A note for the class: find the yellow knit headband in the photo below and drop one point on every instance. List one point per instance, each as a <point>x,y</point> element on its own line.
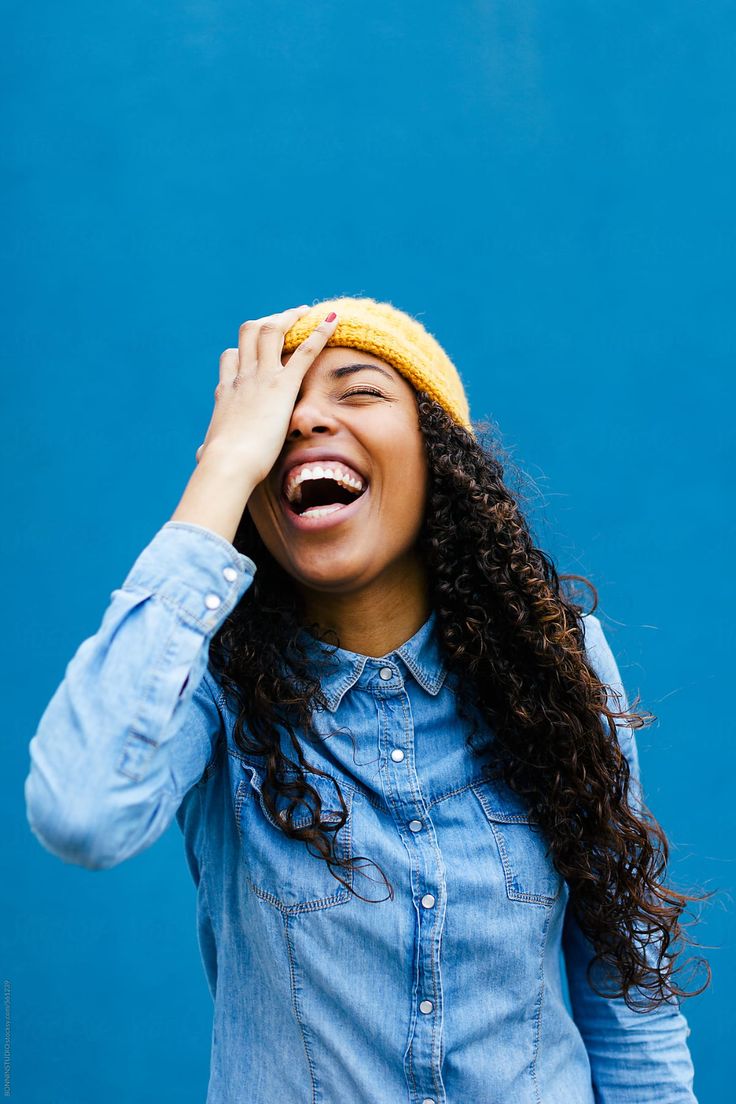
<point>397,338</point>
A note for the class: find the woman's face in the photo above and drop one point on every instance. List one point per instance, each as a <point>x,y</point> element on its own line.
<point>366,418</point>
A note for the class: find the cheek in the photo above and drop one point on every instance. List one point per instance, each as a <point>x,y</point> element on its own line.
<point>405,493</point>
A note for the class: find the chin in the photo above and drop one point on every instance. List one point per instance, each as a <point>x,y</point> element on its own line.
<point>329,574</point>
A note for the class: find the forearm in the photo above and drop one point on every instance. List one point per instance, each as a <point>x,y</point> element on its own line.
<point>108,763</point>
<point>635,1057</point>
<point>217,493</point>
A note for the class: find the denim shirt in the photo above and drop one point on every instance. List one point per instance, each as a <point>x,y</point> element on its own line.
<point>452,991</point>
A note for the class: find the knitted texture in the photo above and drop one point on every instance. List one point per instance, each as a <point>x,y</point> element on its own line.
<point>396,337</point>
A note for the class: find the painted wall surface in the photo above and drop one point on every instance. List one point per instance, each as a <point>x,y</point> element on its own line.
<point>549,187</point>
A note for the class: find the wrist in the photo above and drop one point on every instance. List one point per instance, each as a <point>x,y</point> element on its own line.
<point>219,460</point>
<point>216,495</point>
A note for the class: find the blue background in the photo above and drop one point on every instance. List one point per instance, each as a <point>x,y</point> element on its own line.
<point>549,188</point>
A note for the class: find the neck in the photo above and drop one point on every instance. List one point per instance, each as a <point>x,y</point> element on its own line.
<point>376,618</point>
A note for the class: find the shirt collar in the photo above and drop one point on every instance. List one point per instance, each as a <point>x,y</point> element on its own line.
<point>421,655</point>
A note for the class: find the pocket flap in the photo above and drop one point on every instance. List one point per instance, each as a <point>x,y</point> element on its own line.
<point>501,804</point>
<point>325,787</point>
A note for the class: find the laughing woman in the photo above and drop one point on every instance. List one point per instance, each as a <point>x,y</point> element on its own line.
<point>400,753</point>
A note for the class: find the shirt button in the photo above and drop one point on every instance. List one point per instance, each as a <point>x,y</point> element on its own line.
<point>230,574</point>
<point>397,755</point>
<point>428,900</point>
<point>428,1100</point>
<point>415,825</point>
<point>386,673</point>
<point>426,1006</point>
<point>212,601</point>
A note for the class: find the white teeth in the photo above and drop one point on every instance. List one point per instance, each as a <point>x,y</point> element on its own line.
<point>340,475</point>
<point>318,511</point>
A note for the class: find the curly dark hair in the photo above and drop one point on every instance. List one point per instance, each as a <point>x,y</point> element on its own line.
<point>547,726</point>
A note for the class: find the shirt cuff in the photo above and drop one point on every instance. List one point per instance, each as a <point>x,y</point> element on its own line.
<point>194,569</point>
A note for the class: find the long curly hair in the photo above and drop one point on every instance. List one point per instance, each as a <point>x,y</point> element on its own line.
<point>545,722</point>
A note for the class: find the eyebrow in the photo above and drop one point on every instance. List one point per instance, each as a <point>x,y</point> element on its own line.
<point>348,369</point>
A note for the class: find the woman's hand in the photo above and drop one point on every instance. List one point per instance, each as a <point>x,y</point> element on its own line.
<point>256,394</point>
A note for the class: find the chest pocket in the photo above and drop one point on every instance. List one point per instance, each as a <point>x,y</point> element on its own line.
<point>279,869</point>
<point>529,872</point>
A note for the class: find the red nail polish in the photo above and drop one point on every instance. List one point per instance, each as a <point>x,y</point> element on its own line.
<point>330,316</point>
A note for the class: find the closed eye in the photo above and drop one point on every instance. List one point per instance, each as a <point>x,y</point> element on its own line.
<point>363,391</point>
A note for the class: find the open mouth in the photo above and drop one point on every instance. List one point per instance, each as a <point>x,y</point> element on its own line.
<point>319,498</point>
<point>322,502</point>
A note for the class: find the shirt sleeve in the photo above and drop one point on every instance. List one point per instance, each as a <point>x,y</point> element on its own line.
<point>134,723</point>
<point>635,1057</point>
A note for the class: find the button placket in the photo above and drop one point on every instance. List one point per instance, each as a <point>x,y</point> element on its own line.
<point>426,1006</point>
<point>426,864</point>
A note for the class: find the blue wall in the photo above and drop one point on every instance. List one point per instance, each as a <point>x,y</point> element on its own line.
<point>549,187</point>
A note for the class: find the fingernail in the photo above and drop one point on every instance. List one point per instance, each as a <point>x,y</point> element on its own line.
<point>330,317</point>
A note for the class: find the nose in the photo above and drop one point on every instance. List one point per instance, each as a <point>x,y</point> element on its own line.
<point>310,416</point>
